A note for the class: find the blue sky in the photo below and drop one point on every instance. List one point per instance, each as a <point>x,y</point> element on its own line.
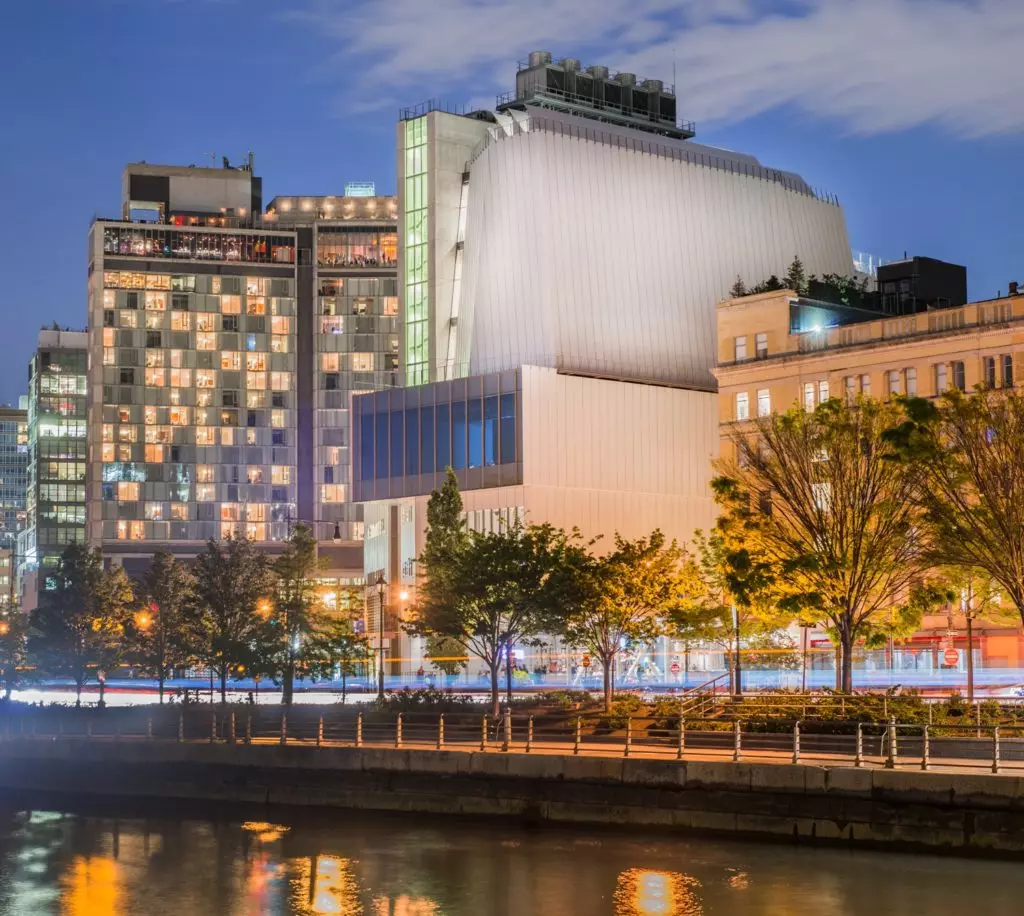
<point>910,111</point>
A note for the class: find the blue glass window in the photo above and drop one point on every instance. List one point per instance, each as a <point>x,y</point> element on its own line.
<point>490,431</point>
<point>366,447</point>
<point>412,441</point>
<point>382,445</point>
<point>476,433</point>
<point>444,438</point>
<point>427,427</point>
<point>397,445</point>
<point>250,342</point>
<point>459,435</point>
<point>508,429</point>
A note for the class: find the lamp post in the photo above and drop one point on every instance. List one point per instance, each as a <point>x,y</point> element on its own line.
<point>380,637</point>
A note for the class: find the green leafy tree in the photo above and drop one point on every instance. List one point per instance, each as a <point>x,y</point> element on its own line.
<point>297,609</point>
<point>445,654</point>
<point>234,589</point>
<point>622,597</point>
<point>79,628</point>
<point>796,277</point>
<point>824,501</point>
<point>14,630</point>
<point>738,289</point>
<point>165,629</point>
<point>335,649</point>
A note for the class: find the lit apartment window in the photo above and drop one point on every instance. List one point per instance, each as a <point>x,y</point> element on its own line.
<point>255,286</point>
<point>179,512</point>
<point>910,375</point>
<point>761,345</point>
<point>894,381</point>
<point>279,344</point>
<point>206,340</point>
<point>181,378</point>
<point>809,396</point>
<point>959,377</point>
<point>230,360</point>
<point>865,385</point>
<point>109,337</point>
<point>1007,370</point>
<point>155,511</point>
<point>181,321</point>
<point>108,451</point>
<point>156,302</point>
<point>206,378</point>
<point>127,491</point>
<point>256,362</point>
<point>362,362</point>
<point>256,381</point>
<point>205,322</point>
<point>850,386</point>
<point>280,475</point>
<point>280,325</point>
<point>280,381</point>
<point>332,493</point>
<point>989,366</point>
<point>155,454</point>
<point>330,362</point>
<point>941,377</point>
<point>227,436</point>
<point>764,402</point>
<point>205,493</point>
<point>231,305</point>
<point>255,305</point>
<point>178,416</point>
<point>822,392</point>
<point>742,406</point>
<point>277,419</point>
<point>741,348</point>
<point>204,435</point>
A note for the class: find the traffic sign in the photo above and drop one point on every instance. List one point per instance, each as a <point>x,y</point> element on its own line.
<point>586,661</point>
<point>674,667</point>
<point>951,657</point>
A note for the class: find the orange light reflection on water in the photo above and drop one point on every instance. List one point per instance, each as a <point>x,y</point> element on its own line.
<point>642,892</point>
<point>92,887</point>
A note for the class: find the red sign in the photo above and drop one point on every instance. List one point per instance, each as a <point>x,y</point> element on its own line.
<point>586,661</point>
<point>674,667</point>
<point>951,657</point>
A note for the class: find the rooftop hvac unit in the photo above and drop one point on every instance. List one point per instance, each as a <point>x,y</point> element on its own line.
<point>626,79</point>
<point>539,58</point>
<point>571,65</point>
<point>599,73</point>
<point>653,85</point>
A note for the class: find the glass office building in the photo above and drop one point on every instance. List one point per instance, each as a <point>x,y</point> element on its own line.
<point>13,474</point>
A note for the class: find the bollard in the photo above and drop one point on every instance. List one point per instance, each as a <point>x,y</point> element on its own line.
<point>483,733</point>
<point>576,741</point>
<point>858,760</point>
<point>925,748</point>
<point>507,730</point>
<point>440,732</point>
<point>796,742</point>
<point>529,734</point>
<point>885,706</point>
<point>398,731</point>
<point>181,727</point>
<point>737,742</point>
<point>248,729</point>
<point>995,749</point>
<point>213,728</point>
<point>682,739</point>
<point>320,732</point>
<point>629,736</point>
<point>359,729</point>
<point>231,728</point>
<point>977,718</point>
<point>284,728</point>
<point>890,760</point>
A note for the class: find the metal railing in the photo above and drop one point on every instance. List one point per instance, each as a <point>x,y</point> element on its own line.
<point>995,749</point>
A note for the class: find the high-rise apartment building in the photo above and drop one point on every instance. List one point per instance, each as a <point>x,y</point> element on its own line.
<point>13,473</point>
<point>57,424</point>
<point>225,343</point>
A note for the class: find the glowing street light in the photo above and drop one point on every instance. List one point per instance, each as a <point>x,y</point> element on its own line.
<point>264,607</point>
<point>143,620</point>
<point>5,628</point>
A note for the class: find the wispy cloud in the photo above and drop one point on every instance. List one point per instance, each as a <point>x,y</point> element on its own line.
<point>871,65</point>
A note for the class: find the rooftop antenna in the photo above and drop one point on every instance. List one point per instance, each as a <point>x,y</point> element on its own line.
<point>213,157</point>
<point>673,71</point>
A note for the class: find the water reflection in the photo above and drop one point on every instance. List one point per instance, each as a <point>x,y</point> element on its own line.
<point>347,865</point>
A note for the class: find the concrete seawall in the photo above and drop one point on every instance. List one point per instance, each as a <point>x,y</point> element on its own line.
<point>906,809</point>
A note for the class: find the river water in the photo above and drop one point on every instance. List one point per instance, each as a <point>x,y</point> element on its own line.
<point>52,863</point>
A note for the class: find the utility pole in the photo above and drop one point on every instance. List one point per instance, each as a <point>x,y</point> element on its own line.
<point>380,637</point>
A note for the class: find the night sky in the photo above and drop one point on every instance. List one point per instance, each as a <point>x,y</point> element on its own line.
<point>908,110</point>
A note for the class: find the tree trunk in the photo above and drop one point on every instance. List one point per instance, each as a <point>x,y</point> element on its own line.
<point>847,645</point>
<point>838,652</point>
<point>223,683</point>
<point>609,688</point>
<point>161,678</point>
<point>78,694</point>
<point>508,677</point>
<point>738,666</point>
<point>342,685</point>
<point>495,693</point>
<point>288,684</point>
<point>103,688</point>
<point>970,659</point>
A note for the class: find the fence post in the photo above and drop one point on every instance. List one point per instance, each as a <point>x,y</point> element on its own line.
<point>925,748</point>
<point>359,729</point>
<point>629,735</point>
<point>529,734</point>
<point>483,733</point>
<point>398,731</point>
<point>995,749</point>
<point>737,741</point>
<point>858,760</point>
<point>440,732</point>
<point>284,728</point>
<point>576,740</point>
<point>682,738</point>
<point>320,732</point>
<point>885,706</point>
<point>506,730</point>
<point>796,742</point>
<point>213,727</point>
<point>248,729</point>
<point>977,717</point>
<point>181,727</point>
<point>890,760</point>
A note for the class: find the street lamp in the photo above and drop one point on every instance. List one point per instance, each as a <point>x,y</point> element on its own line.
<point>380,637</point>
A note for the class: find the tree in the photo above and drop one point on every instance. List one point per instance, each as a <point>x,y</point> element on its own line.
<point>234,586</point>
<point>445,654</point>
<point>14,629</point>
<point>334,649</point>
<point>833,513</point>
<point>796,277</point>
<point>622,597</point>
<point>738,288</point>
<point>297,606</point>
<point>971,450</point>
<point>79,627</point>
<point>165,630</point>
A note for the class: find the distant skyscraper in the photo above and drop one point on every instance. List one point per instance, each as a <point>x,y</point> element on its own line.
<point>13,473</point>
<point>55,503</point>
